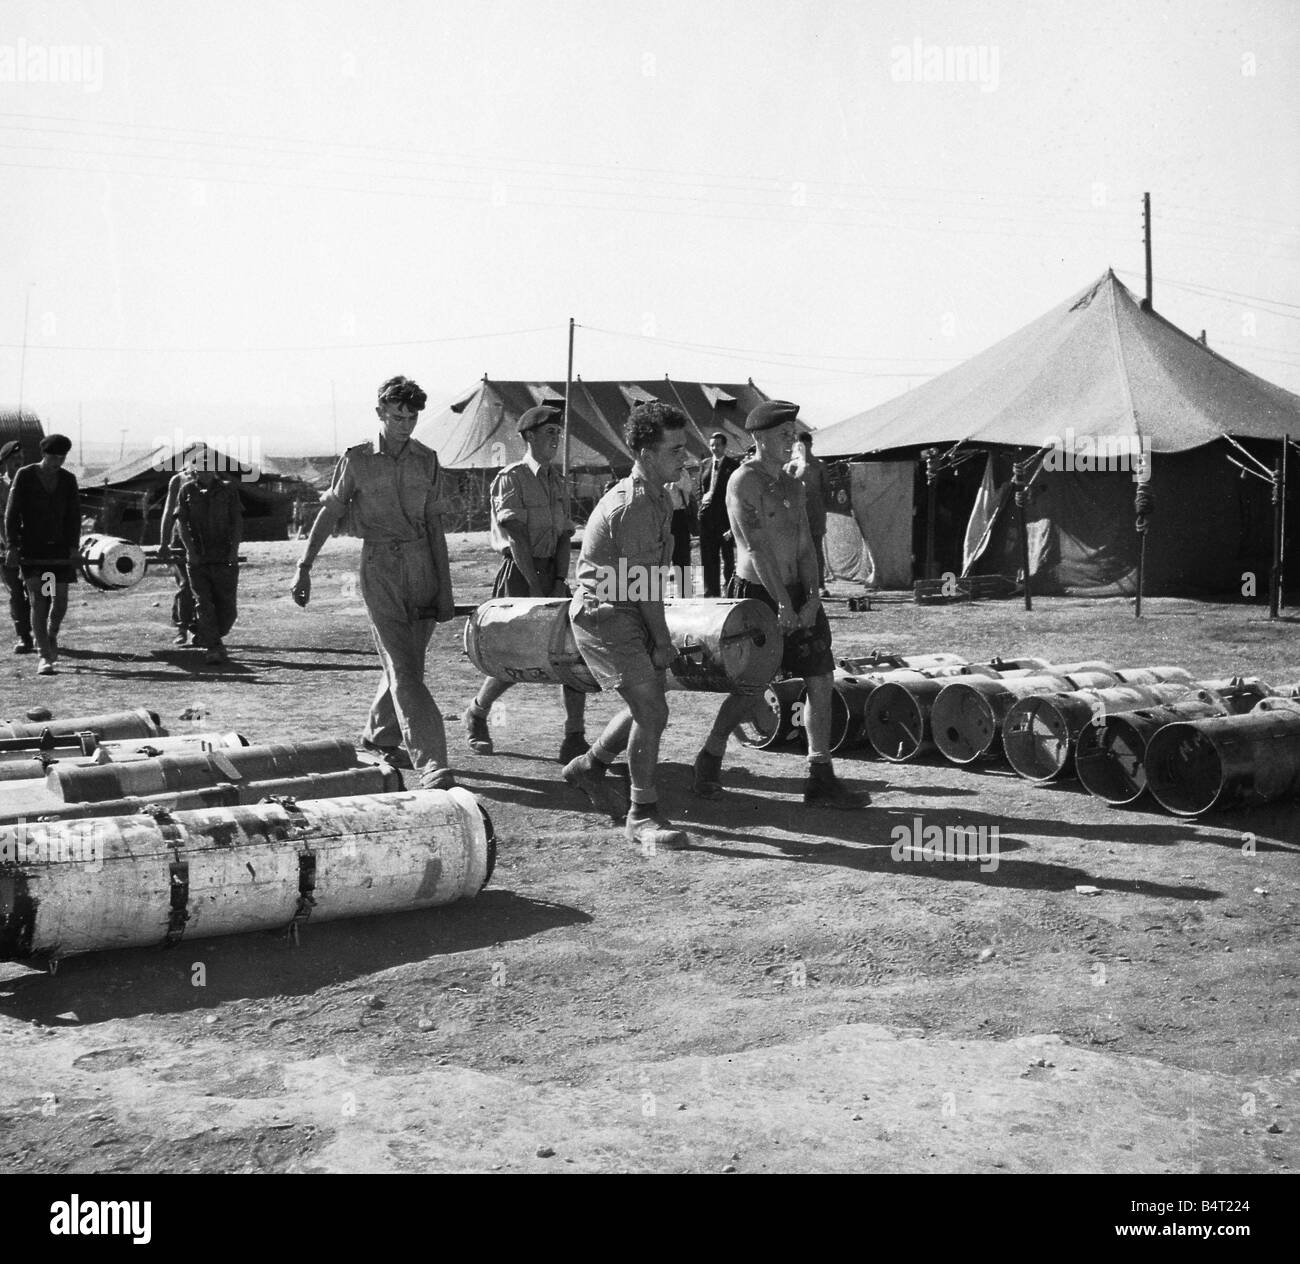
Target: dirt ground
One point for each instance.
(786, 996)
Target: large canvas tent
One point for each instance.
(1100, 373)
(477, 431)
(127, 498)
(476, 434)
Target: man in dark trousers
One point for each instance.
(532, 531)
(715, 473)
(778, 566)
(210, 520)
(43, 532)
(20, 606)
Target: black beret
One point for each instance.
(9, 449)
(57, 444)
(771, 413)
(542, 415)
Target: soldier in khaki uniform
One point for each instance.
(532, 530)
(171, 548)
(388, 493)
(621, 631)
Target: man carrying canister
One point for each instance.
(171, 549)
(618, 620)
(776, 564)
(389, 492)
(210, 520)
(43, 533)
(532, 530)
(20, 606)
(715, 546)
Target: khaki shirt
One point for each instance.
(632, 521)
(387, 498)
(534, 497)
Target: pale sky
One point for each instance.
(217, 213)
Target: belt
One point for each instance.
(395, 544)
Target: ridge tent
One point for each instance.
(477, 430)
(1109, 382)
(476, 433)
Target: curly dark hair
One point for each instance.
(646, 424)
(404, 393)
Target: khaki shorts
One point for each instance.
(615, 643)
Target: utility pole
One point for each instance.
(121, 452)
(568, 389)
(1146, 233)
(81, 443)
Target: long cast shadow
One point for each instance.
(129, 982)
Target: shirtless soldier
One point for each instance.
(622, 634)
(777, 564)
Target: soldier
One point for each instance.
(715, 544)
(172, 549)
(618, 620)
(390, 492)
(777, 566)
(532, 530)
(20, 606)
(210, 520)
(810, 471)
(43, 533)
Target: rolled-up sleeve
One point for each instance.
(343, 486)
(508, 499)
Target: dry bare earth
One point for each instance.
(785, 996)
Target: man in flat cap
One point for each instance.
(43, 534)
(618, 619)
(389, 492)
(715, 544)
(777, 565)
(532, 531)
(20, 606)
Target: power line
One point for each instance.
(333, 347)
(1211, 292)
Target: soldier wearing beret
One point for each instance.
(43, 534)
(389, 493)
(777, 565)
(20, 606)
(532, 530)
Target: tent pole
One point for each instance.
(568, 388)
(1275, 584)
(930, 455)
(1142, 566)
(1143, 508)
(1021, 484)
